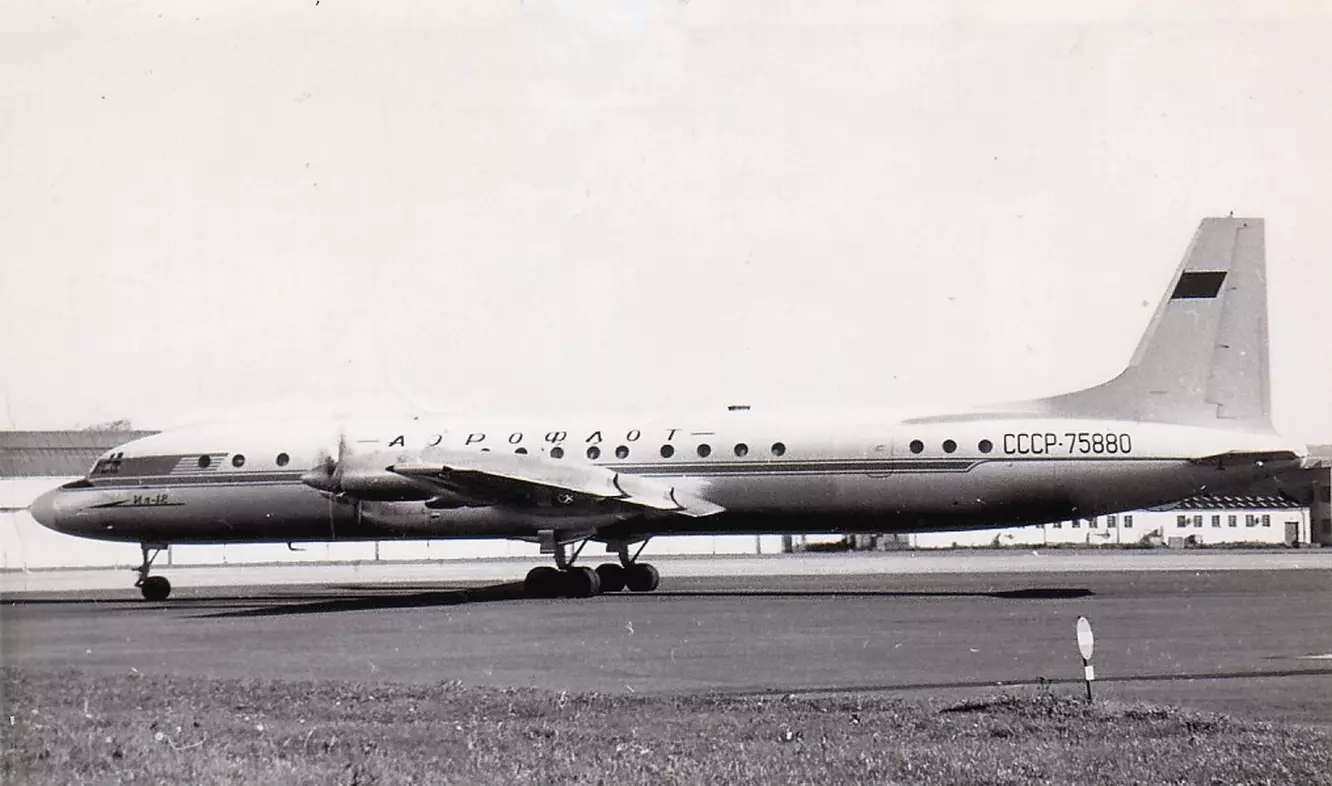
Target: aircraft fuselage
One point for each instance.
(770, 474)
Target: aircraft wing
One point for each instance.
(516, 479)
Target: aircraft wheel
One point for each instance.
(581, 583)
(641, 577)
(612, 577)
(155, 588)
(543, 582)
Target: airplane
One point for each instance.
(1190, 414)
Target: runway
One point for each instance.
(1253, 641)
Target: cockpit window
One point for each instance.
(107, 466)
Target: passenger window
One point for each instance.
(594, 452)
(985, 446)
(704, 450)
(917, 446)
(521, 451)
(238, 461)
(557, 452)
(283, 459)
(622, 452)
(667, 451)
(741, 449)
(205, 462)
(778, 449)
(949, 446)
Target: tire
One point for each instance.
(155, 588)
(542, 583)
(581, 583)
(612, 577)
(641, 577)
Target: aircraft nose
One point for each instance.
(44, 509)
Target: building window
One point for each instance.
(594, 452)
(1075, 523)
(238, 461)
(1325, 493)
(778, 449)
(1232, 520)
(1111, 521)
(1091, 523)
(741, 449)
(917, 446)
(1128, 521)
(1216, 519)
(704, 450)
(949, 446)
(557, 452)
(985, 446)
(1267, 519)
(1197, 521)
(1181, 521)
(622, 452)
(1058, 525)
(1250, 520)
(667, 451)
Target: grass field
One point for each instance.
(73, 728)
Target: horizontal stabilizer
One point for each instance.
(1248, 458)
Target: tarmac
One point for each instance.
(1239, 632)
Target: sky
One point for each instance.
(230, 209)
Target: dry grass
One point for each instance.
(72, 728)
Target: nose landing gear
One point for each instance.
(154, 588)
(565, 580)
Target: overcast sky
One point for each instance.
(215, 209)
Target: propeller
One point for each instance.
(326, 474)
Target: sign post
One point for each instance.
(1085, 642)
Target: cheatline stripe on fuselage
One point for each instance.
(714, 469)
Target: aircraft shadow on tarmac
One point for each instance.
(514, 591)
(385, 600)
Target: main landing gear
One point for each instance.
(153, 587)
(566, 580)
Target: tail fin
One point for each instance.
(1203, 360)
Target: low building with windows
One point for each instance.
(1201, 521)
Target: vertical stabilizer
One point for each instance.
(1203, 359)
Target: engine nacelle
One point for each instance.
(380, 485)
(366, 478)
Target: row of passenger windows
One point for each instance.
(949, 446)
(593, 452)
(238, 461)
(703, 450)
